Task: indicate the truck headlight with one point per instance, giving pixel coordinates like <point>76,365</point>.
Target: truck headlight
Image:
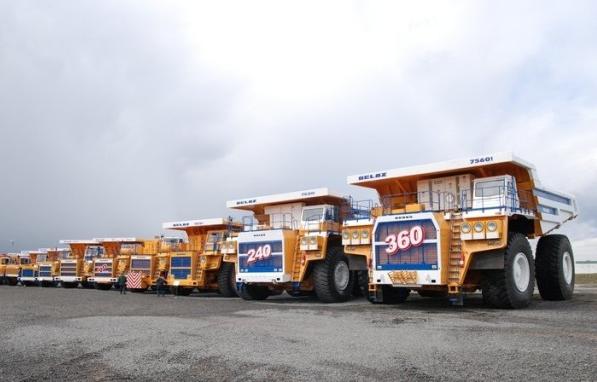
<point>364,234</point>
<point>492,226</point>
<point>478,227</point>
<point>465,228</point>
<point>345,235</point>
<point>304,241</point>
<point>313,240</point>
<point>355,234</point>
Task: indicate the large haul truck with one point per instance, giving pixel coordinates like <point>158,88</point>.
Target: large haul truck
<point>49,268</point>
<point>115,260</point>
<point>292,243</point>
<point>208,262</point>
<point>150,261</point>
<point>12,269</point>
<point>453,227</point>
<point>4,260</point>
<point>77,268</point>
<point>29,270</point>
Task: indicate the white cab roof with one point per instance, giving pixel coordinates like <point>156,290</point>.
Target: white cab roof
<point>197,223</point>
<point>288,197</point>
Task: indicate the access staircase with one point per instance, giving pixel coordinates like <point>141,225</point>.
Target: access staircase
<point>456,256</point>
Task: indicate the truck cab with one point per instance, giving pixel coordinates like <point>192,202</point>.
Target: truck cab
<point>449,228</point>
<point>13,267</point>
<point>292,243</point>
<point>207,263</point>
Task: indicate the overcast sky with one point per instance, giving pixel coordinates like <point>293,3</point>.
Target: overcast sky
<point>116,116</point>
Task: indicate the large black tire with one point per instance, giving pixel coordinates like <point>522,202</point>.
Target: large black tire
<point>28,283</point>
<point>254,292</point>
<point>432,293</point>
<point>87,285</point>
<point>48,284</point>
<point>554,266</point>
<point>68,285</point>
<point>99,286</point>
<point>227,280</point>
<point>181,291</point>
<point>361,284</point>
<point>330,275</point>
<point>12,281</point>
<point>499,287</point>
<point>392,295</point>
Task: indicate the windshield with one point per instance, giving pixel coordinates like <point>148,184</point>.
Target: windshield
<point>313,214</point>
<point>25,261</point>
<point>489,188</point>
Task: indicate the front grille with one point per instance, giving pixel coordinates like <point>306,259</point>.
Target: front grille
<point>180,262</point>
<point>45,271</point>
<point>68,269</point>
<point>27,273</point>
<point>102,269</point>
<point>140,264</point>
<point>180,273</point>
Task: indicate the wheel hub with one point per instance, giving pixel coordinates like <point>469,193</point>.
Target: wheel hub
<point>521,272</point>
<point>341,276</point>
<point>567,267</point>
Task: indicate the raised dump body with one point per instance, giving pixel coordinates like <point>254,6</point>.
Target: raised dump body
<point>77,268</point>
<point>208,262</point>
<point>29,270</point>
<point>462,225</point>
<point>49,268</point>
<point>150,261</point>
<point>292,243</point>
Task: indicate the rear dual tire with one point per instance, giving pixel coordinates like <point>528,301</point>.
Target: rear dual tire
<point>555,268</point>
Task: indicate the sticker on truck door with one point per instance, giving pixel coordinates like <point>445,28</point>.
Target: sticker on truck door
<point>263,256</point>
<point>406,245</point>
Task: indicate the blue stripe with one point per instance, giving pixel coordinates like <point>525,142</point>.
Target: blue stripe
<point>551,196</point>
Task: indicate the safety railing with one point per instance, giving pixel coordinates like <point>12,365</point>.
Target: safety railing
<point>268,222</point>
<point>358,209</point>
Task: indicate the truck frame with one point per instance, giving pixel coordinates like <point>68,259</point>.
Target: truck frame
<point>49,268</point>
<point>292,243</point>
<point>207,264</point>
<point>28,271</point>
<point>115,260</point>
<point>152,260</point>
<point>449,228</point>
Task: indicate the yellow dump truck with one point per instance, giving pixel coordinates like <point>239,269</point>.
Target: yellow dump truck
<point>293,243</point>
<point>28,271</point>
<point>151,260</point>
<point>76,269</point>
<point>49,268</point>
<point>208,262</point>
<point>11,267</point>
<point>115,260</point>
<point>4,260</point>
<point>448,228</point>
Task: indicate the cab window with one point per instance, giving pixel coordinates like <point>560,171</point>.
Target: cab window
<point>313,214</point>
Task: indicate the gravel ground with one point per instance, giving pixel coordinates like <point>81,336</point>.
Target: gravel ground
<point>59,334</point>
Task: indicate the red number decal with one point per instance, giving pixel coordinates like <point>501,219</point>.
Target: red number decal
<point>404,240</point>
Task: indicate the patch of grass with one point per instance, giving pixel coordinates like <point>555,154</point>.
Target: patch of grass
<point>586,278</point>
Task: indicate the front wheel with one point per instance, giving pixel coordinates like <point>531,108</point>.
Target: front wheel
<point>100,286</point>
<point>180,291</point>
<point>555,268</point>
<point>226,280</point>
<point>70,285</point>
<point>513,286</point>
<point>254,292</point>
<point>333,278</point>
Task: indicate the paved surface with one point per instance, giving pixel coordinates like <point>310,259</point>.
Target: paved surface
<point>58,334</point>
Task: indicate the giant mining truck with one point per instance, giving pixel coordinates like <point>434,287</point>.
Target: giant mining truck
<point>449,228</point>
<point>77,268</point>
<point>4,260</point>
<point>12,268</point>
<point>29,270</point>
<point>293,243</point>
<point>208,262</point>
<point>49,268</point>
<point>114,261</point>
<point>151,260</point>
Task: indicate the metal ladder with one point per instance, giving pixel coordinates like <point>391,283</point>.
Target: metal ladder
<point>456,257</point>
<point>296,266</point>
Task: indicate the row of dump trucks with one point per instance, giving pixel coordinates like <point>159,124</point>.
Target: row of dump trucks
<point>442,230</point>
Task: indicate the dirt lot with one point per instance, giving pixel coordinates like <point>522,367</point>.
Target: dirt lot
<point>58,334</point>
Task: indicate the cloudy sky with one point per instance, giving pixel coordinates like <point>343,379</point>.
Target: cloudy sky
<point>118,115</point>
